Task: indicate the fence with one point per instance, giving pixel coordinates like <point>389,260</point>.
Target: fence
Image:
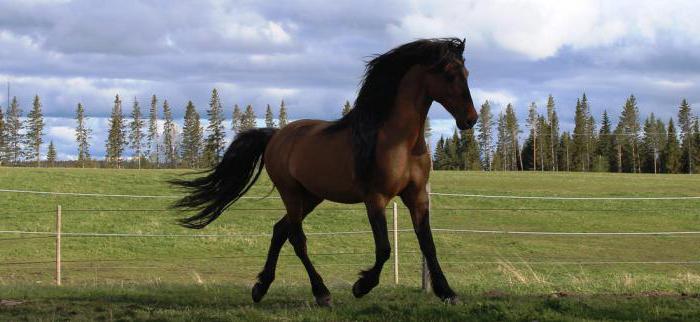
<point>59,233</point>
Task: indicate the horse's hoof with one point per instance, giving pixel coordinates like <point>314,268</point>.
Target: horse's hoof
<point>324,301</point>
<point>452,300</point>
<point>259,291</point>
<point>357,291</point>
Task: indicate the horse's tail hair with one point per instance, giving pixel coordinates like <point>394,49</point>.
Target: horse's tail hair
<point>224,184</point>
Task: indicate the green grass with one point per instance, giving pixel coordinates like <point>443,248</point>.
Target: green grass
<point>524,268</point>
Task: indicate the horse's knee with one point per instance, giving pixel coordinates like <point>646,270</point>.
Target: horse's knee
<point>383,254</point>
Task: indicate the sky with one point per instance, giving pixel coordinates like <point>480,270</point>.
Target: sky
<point>312,54</point>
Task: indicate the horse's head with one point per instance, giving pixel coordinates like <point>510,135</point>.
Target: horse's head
<point>446,83</point>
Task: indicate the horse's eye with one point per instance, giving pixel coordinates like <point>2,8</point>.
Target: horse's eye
<point>449,77</point>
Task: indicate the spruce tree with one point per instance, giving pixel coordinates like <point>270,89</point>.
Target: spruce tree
<point>649,147</point>
<point>543,142</point>
<point>439,155</point>
<point>236,120</point>
<point>470,150</point>
<point>685,123</point>
<point>215,142</point>
<point>501,144</point>
<point>283,116</point>
<point>631,130</point>
<point>35,131</point>
<point>116,139</point>
<point>269,117</point>
<point>14,139</point>
<point>2,137</point>
<point>248,120</point>
<point>672,152</point>
<point>51,155</point>
<point>485,137</point>
<point>136,132</point>
<point>605,148</point>
<point>579,137</point>
<point>82,136</point>
<point>169,136</point>
<point>191,137</point>
<point>152,139</point>
<point>346,108</point>
<point>696,143</point>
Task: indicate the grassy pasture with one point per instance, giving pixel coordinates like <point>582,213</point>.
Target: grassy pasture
<point>525,268</point>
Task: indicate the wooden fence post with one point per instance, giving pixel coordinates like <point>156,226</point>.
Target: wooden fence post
<point>425,275</point>
<point>396,244</point>
<point>58,245</point>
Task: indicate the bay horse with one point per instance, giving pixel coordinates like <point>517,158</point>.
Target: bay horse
<point>370,155</point>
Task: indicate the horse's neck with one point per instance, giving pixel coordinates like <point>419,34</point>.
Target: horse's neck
<point>407,119</point>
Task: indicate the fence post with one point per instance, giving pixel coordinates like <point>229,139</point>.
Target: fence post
<point>425,272</point>
<point>58,245</point>
<point>396,244</point>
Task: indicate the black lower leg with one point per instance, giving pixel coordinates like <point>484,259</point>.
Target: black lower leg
<point>318,288</point>
<point>370,278</point>
<point>280,233</point>
<point>440,286</point>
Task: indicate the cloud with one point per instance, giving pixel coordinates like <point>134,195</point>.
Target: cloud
<point>312,53</point>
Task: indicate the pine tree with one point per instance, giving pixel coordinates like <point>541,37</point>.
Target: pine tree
<point>116,137</point>
<point>685,123</point>
<point>152,140</point>
<point>269,118</point>
<point>136,132</point>
<point>35,131</point>
<point>631,130</point>
<point>283,116</point>
<point>236,120</point>
<point>51,155</point>
<point>605,148</point>
<point>579,136</point>
<point>82,136</point>
<point>649,147</point>
<point>191,137</point>
<point>532,125</point>
<point>169,136</point>
<point>3,148</point>
<point>215,142</point>
<point>470,150</point>
<point>672,152</point>
<point>439,156</point>
<point>13,132</point>
<point>502,145</point>
<point>346,108</point>
<point>248,120</point>
<point>485,126</point>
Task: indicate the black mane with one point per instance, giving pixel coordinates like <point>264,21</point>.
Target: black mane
<point>378,89</point>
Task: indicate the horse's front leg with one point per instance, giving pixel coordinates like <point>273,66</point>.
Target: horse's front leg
<point>377,219</point>
<point>416,199</point>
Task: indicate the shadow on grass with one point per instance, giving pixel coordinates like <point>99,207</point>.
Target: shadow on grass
<point>232,302</point>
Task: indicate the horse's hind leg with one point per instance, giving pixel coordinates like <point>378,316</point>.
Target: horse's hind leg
<point>377,219</point>
<point>297,209</point>
<point>280,233</point>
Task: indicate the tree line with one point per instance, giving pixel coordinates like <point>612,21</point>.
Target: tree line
<point>154,140</point>
<point>148,141</point>
<point>652,146</point>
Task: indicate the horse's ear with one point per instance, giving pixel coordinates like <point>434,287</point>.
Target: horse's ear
<point>461,46</point>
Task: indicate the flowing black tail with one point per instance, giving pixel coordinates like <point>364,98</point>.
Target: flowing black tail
<point>228,181</point>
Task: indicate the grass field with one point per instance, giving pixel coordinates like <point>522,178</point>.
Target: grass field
<point>497,275</point>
